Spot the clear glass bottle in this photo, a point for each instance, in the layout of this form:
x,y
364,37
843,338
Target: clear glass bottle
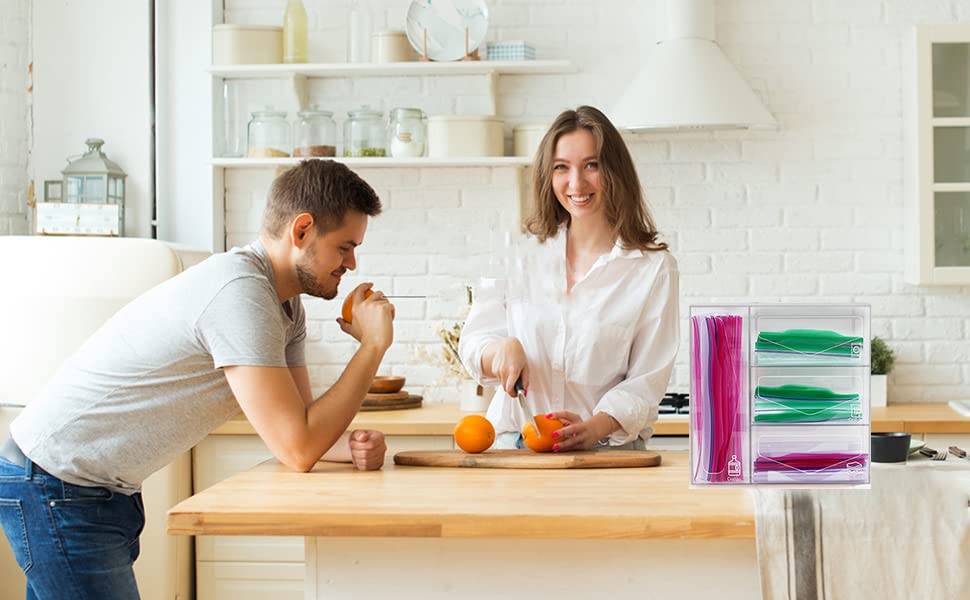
x,y
358,47
268,134
407,133
364,133
294,32
233,141
315,133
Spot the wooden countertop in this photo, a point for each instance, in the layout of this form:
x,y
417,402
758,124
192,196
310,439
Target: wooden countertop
x,y
440,419
335,500
919,418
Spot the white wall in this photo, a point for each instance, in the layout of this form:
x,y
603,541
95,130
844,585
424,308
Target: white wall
x,y
812,212
14,115
14,132
91,79
183,92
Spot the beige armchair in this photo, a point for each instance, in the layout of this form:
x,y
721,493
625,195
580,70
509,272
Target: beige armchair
x,y
56,291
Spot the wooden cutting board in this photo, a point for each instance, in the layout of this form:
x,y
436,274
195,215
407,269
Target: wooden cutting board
x,y
527,459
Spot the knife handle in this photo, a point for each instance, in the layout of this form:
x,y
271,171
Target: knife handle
x,y
518,385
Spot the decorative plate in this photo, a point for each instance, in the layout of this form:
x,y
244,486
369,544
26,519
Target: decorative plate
x,y
446,22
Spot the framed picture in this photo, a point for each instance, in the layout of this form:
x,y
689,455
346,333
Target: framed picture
x,y
53,190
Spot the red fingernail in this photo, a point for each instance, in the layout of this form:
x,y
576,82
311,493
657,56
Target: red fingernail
x,y
549,416
555,448
555,434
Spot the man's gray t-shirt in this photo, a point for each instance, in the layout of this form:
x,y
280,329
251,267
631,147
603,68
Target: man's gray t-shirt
x,y
148,385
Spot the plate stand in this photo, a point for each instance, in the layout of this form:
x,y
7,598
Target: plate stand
x,y
473,55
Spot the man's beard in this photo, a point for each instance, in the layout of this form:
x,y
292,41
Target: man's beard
x,y
309,284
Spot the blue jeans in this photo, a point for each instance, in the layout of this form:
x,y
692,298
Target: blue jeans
x,y
71,541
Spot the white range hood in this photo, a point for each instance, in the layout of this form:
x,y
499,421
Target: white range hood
x,y
688,82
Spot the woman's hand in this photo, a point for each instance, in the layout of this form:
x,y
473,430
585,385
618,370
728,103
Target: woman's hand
x,y
507,363
578,434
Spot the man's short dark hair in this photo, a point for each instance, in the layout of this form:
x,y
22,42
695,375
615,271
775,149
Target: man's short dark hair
x,y
323,188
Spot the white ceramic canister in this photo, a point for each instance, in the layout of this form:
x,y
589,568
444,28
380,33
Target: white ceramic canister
x,y
390,46
247,44
526,139
468,135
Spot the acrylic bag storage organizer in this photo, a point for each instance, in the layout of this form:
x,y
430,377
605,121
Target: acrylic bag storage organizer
x,y
780,394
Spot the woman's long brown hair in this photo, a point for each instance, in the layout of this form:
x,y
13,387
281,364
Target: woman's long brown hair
x,y
626,211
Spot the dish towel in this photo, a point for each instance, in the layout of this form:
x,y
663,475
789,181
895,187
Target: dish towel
x,y
906,537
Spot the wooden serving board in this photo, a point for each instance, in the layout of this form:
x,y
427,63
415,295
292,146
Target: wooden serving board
x,y
375,405
527,459
385,397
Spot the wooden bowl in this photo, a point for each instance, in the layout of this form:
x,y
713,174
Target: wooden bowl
x,y
386,384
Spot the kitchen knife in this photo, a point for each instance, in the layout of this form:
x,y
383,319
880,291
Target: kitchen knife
x,y
520,389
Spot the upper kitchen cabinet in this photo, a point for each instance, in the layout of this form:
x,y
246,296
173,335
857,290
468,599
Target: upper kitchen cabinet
x,y
937,146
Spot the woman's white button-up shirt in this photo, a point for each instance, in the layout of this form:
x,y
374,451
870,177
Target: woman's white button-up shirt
x,y
607,346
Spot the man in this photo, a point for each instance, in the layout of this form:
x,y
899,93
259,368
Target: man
x,y
176,363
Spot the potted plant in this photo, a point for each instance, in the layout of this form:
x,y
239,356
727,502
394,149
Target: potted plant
x,y
883,359
471,396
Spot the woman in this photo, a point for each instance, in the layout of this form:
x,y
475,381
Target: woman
x,y
587,317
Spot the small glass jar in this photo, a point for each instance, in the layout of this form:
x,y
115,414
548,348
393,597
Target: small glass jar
x,y
407,133
364,133
315,133
268,134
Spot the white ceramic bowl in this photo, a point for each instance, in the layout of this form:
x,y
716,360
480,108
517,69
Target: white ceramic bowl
x,y
247,44
526,138
390,46
469,135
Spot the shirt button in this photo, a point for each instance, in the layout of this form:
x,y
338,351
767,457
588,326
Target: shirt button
x,y
53,503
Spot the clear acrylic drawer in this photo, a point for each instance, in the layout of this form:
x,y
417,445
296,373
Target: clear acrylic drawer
x,y
830,395
810,455
818,335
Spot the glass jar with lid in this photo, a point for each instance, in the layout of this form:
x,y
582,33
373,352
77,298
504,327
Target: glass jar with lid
x,y
407,132
315,133
364,133
268,134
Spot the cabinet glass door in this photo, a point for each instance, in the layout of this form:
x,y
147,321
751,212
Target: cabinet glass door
x,y
951,154
952,228
951,80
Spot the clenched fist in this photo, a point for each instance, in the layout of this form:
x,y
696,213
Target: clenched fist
x,y
367,449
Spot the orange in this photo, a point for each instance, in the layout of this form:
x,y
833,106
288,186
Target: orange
x,y
347,311
544,442
474,434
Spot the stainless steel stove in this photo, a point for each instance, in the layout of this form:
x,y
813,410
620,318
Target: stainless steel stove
x,y
674,403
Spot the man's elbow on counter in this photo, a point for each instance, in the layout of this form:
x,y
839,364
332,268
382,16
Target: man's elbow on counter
x,y
299,462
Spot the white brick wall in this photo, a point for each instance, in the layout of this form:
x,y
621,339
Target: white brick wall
x,y
14,98
810,213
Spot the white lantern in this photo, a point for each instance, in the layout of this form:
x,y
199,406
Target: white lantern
x,y
90,200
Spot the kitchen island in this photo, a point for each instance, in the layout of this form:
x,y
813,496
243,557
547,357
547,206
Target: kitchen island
x,y
439,532
228,565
